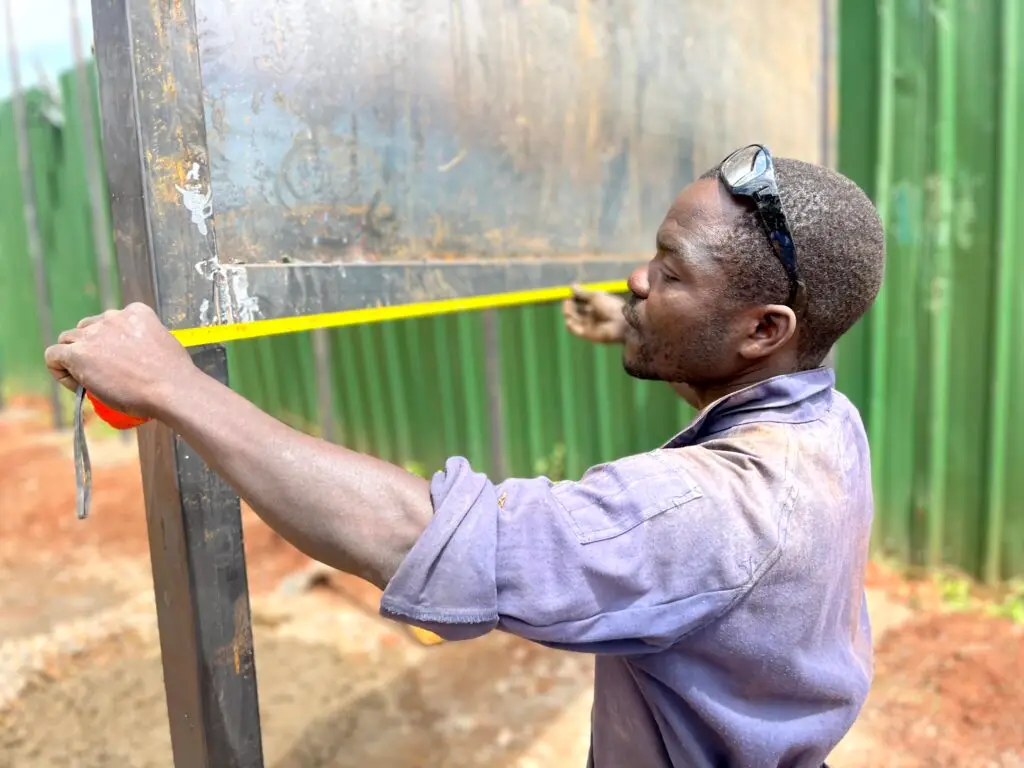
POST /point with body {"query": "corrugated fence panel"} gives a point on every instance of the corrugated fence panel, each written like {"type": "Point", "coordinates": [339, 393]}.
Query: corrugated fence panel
{"type": "Point", "coordinates": [965, 280]}
{"type": "Point", "coordinates": [1004, 543]}
{"type": "Point", "coordinates": [19, 326]}
{"type": "Point", "coordinates": [568, 404]}
{"type": "Point", "coordinates": [415, 392]}
{"type": "Point", "coordinates": [857, 145]}
{"type": "Point", "coordinates": [930, 121]}
{"type": "Point", "coordinates": [64, 218]}
{"type": "Point", "coordinates": [930, 97]}
{"type": "Point", "coordinates": [65, 229]}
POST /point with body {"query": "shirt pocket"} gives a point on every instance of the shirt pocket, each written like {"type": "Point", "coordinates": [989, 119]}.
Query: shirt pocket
{"type": "Point", "coordinates": [614, 498]}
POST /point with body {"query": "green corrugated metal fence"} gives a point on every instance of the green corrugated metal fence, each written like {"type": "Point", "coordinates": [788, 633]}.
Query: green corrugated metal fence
{"type": "Point", "coordinates": [65, 224]}
{"type": "Point", "coordinates": [930, 101]}
{"type": "Point", "coordinates": [930, 106]}
{"type": "Point", "coordinates": [415, 392]}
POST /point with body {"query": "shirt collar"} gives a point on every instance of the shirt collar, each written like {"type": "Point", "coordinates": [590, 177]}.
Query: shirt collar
{"type": "Point", "coordinates": [791, 398]}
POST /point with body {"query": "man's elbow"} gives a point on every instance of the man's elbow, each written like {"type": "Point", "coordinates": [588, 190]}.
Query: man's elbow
{"type": "Point", "coordinates": [406, 531]}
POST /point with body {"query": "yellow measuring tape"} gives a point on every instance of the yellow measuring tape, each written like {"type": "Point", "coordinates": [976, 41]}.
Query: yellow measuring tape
{"type": "Point", "coordinates": [219, 334]}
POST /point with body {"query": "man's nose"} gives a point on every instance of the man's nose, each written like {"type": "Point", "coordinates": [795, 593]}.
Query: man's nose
{"type": "Point", "coordinates": [638, 283]}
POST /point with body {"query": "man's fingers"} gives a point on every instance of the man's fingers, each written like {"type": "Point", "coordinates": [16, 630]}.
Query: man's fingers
{"type": "Point", "coordinates": [57, 357]}
{"type": "Point", "coordinates": [583, 300]}
{"type": "Point", "coordinates": [578, 320]}
{"type": "Point", "coordinates": [571, 309]}
{"type": "Point", "coordinates": [70, 335]}
{"type": "Point", "coordinates": [577, 327]}
{"type": "Point", "coordinates": [582, 293]}
{"type": "Point", "coordinates": [89, 321]}
{"type": "Point", "coordinates": [65, 379]}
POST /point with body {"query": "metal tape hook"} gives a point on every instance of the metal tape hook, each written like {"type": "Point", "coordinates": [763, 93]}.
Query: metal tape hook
{"type": "Point", "coordinates": [83, 467]}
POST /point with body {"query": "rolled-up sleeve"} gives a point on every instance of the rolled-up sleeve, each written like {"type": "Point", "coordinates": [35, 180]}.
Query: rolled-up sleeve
{"type": "Point", "coordinates": [628, 559]}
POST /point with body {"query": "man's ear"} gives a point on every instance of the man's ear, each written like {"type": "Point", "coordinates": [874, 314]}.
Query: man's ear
{"type": "Point", "coordinates": [768, 329]}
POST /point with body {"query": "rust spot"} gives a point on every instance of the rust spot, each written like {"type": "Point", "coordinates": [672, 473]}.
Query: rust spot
{"type": "Point", "coordinates": [241, 643]}
{"type": "Point", "coordinates": [243, 634]}
{"type": "Point", "coordinates": [158, 21]}
{"type": "Point", "coordinates": [166, 172]}
{"type": "Point", "coordinates": [170, 89]}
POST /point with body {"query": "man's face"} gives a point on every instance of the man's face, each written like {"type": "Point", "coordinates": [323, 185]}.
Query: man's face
{"type": "Point", "coordinates": [681, 329]}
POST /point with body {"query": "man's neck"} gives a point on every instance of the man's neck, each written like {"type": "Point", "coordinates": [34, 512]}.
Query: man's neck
{"type": "Point", "coordinates": [700, 396]}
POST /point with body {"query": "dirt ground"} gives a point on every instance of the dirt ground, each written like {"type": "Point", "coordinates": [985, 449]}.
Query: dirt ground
{"type": "Point", "coordinates": [81, 682]}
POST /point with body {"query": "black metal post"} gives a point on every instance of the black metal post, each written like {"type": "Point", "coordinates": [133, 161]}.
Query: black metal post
{"type": "Point", "coordinates": [154, 141]}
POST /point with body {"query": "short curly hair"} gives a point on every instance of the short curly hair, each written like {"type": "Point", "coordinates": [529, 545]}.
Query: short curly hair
{"type": "Point", "coordinates": [840, 248]}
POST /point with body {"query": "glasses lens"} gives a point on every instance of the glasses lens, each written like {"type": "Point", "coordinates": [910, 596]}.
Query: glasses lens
{"type": "Point", "coordinates": [743, 165]}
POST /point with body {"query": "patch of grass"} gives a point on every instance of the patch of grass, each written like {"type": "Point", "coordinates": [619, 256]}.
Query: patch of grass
{"type": "Point", "coordinates": [955, 591]}
{"type": "Point", "coordinates": [960, 593]}
{"type": "Point", "coordinates": [1012, 604]}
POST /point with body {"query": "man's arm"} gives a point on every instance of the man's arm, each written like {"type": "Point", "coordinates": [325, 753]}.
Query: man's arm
{"type": "Point", "coordinates": [350, 511]}
{"type": "Point", "coordinates": [581, 565]}
{"type": "Point", "coordinates": [634, 556]}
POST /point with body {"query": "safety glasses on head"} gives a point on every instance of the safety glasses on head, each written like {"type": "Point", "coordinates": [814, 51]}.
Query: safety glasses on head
{"type": "Point", "coordinates": [750, 173]}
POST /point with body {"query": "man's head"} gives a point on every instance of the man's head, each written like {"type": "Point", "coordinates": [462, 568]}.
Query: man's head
{"type": "Point", "coordinates": [710, 308]}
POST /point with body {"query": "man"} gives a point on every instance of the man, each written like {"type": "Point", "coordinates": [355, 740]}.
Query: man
{"type": "Point", "coordinates": [718, 579]}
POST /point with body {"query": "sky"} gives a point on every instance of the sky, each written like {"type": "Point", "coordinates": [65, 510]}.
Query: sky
{"type": "Point", "coordinates": [43, 35]}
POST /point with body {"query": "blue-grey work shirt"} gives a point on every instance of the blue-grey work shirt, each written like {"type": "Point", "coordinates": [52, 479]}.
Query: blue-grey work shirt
{"type": "Point", "coordinates": [718, 579]}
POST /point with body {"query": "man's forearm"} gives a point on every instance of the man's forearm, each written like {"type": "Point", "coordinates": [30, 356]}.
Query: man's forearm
{"type": "Point", "coordinates": [350, 511]}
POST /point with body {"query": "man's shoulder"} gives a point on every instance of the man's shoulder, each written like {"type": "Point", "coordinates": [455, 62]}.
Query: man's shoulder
{"type": "Point", "coordinates": [739, 455]}
{"type": "Point", "coordinates": [762, 465]}
{"type": "Point", "coordinates": [770, 440]}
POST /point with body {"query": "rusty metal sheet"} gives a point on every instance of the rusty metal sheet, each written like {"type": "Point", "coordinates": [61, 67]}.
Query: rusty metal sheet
{"type": "Point", "coordinates": [438, 130]}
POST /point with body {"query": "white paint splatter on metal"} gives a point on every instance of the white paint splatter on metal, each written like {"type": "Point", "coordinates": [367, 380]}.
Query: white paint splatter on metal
{"type": "Point", "coordinates": [232, 302]}
{"type": "Point", "coordinates": [246, 307]}
{"type": "Point", "coordinates": [198, 203]}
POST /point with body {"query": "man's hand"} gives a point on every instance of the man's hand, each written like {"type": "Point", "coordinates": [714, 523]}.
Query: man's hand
{"type": "Point", "coordinates": [595, 316]}
{"type": "Point", "coordinates": [350, 511]}
{"type": "Point", "coordinates": [126, 358]}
